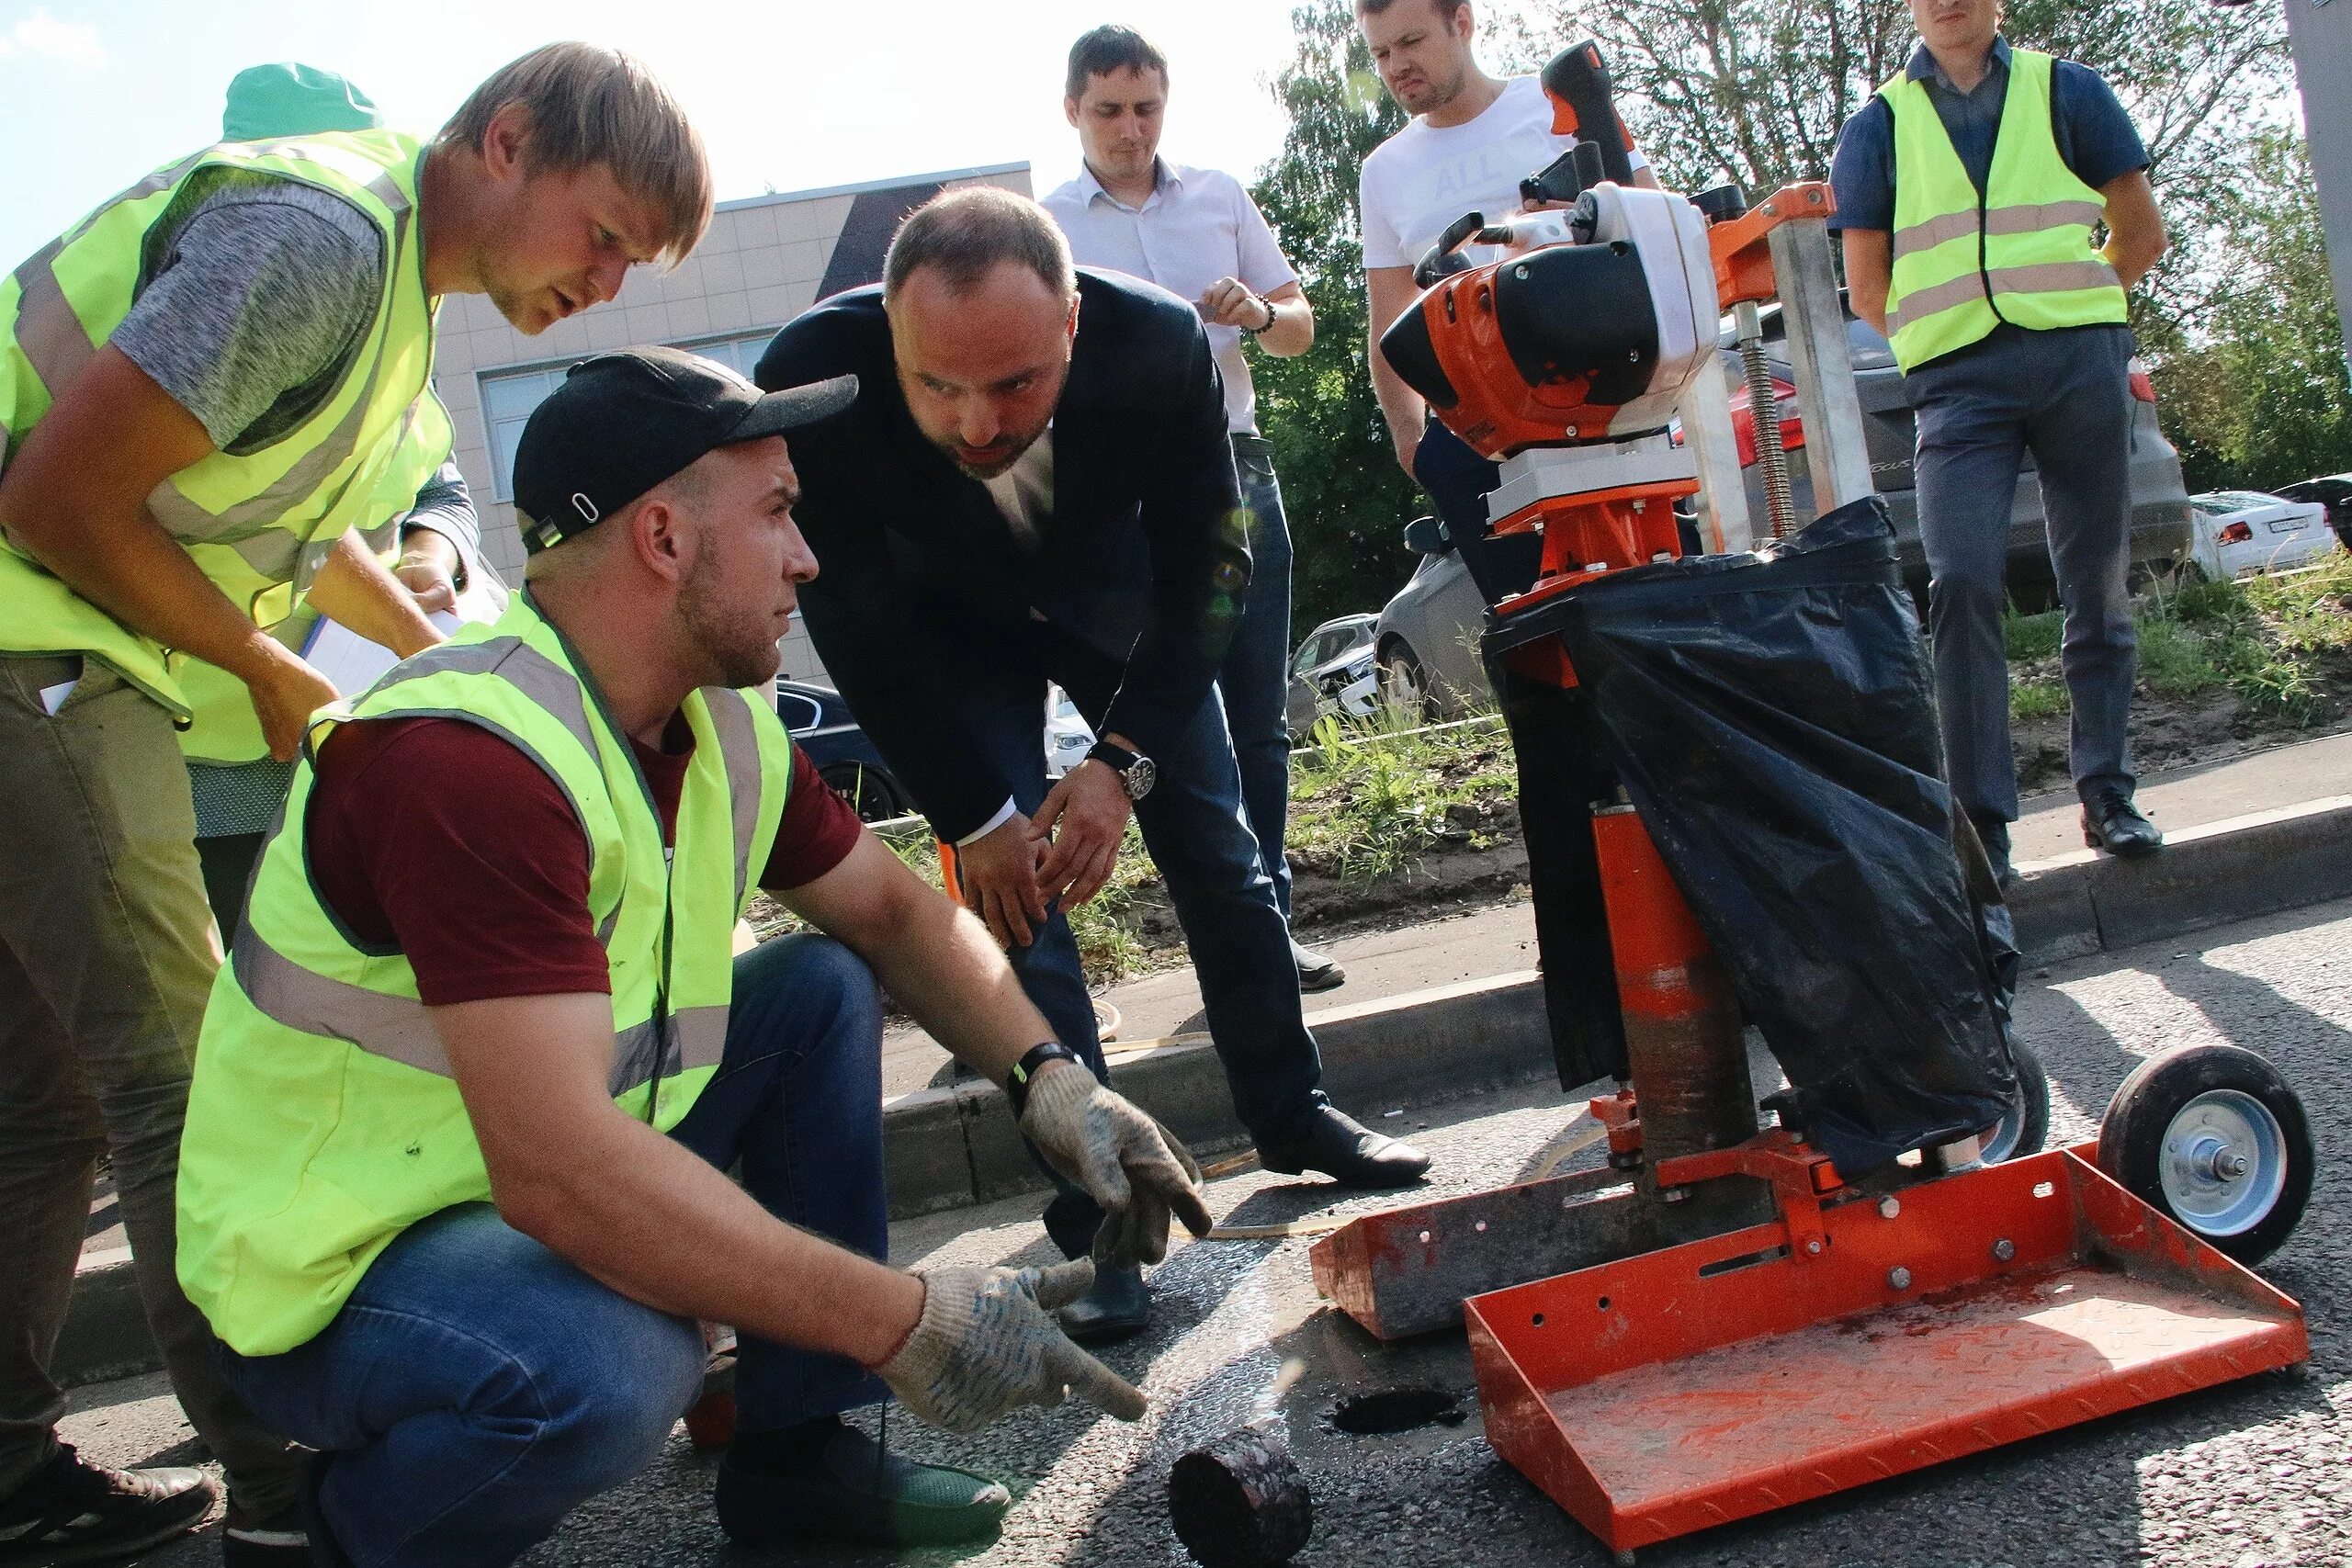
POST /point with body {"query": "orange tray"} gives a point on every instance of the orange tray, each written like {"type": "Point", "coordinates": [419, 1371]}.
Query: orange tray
{"type": "Point", "coordinates": [1710, 1381]}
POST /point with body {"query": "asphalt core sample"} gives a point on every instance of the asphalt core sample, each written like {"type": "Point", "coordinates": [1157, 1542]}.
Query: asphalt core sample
{"type": "Point", "coordinates": [1240, 1501]}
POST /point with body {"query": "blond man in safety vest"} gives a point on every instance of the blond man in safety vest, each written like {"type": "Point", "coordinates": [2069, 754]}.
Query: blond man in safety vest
{"type": "Point", "coordinates": [206, 386]}
{"type": "Point", "coordinates": [1969, 190]}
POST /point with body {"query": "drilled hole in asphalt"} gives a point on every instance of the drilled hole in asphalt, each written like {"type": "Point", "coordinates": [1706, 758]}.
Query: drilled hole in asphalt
{"type": "Point", "coordinates": [1396, 1410]}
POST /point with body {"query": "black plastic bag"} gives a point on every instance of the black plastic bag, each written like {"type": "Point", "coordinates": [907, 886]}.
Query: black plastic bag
{"type": "Point", "coordinates": [1771, 717]}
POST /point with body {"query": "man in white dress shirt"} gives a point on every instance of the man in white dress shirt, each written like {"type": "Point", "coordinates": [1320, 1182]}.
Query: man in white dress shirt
{"type": "Point", "coordinates": [1196, 234]}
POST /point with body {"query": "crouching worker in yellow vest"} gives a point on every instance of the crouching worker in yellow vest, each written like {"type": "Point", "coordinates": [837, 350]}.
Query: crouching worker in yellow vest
{"type": "Point", "coordinates": [203, 390]}
{"type": "Point", "coordinates": [453, 1187]}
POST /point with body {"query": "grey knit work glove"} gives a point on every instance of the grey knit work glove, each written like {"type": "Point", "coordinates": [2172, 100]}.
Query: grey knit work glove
{"type": "Point", "coordinates": [1128, 1163]}
{"type": "Point", "coordinates": [987, 1344]}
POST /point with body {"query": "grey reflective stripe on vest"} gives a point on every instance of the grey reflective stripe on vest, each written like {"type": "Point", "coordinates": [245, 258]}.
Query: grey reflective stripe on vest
{"type": "Point", "coordinates": [739, 745]}
{"type": "Point", "coordinates": [160, 180]}
{"type": "Point", "coordinates": [1921, 303]}
{"type": "Point", "coordinates": [547, 683]}
{"type": "Point", "coordinates": [50, 335]}
{"type": "Point", "coordinates": [283, 991]}
{"type": "Point", "coordinates": [2029, 218]}
{"type": "Point", "coordinates": [2054, 277]}
{"type": "Point", "coordinates": [2032, 218]}
{"type": "Point", "coordinates": [2046, 277]}
{"type": "Point", "coordinates": [697, 1039]}
{"type": "Point", "coordinates": [397, 1029]}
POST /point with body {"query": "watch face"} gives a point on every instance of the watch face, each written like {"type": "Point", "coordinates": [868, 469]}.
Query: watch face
{"type": "Point", "coordinates": [1138, 778]}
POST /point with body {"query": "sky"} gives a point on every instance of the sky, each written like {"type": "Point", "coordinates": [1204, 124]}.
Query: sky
{"type": "Point", "coordinates": [789, 94]}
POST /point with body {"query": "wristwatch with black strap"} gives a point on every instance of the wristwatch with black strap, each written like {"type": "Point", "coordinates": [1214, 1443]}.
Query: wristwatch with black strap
{"type": "Point", "coordinates": [1016, 1082]}
{"type": "Point", "coordinates": [1136, 770]}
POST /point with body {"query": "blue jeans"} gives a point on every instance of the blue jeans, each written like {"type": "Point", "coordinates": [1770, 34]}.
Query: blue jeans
{"type": "Point", "coordinates": [477, 1387]}
{"type": "Point", "coordinates": [2065, 397]}
{"type": "Point", "coordinates": [1194, 823]}
{"type": "Point", "coordinates": [1255, 675]}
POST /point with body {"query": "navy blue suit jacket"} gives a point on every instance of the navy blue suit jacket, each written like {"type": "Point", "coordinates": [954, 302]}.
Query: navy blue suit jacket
{"type": "Point", "coordinates": [922, 595]}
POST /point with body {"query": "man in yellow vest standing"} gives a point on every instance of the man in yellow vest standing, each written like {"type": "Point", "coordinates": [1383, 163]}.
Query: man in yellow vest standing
{"type": "Point", "coordinates": [455, 1189]}
{"type": "Point", "coordinates": [1967, 192]}
{"type": "Point", "coordinates": [204, 390]}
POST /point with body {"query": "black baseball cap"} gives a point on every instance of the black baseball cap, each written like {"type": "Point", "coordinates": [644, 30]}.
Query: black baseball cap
{"type": "Point", "coordinates": [624, 422]}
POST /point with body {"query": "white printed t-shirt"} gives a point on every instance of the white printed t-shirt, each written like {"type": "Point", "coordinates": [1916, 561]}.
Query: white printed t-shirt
{"type": "Point", "coordinates": [1426, 176]}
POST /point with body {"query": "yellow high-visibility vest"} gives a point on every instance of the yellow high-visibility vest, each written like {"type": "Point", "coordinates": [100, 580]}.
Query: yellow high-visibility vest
{"type": "Point", "coordinates": [323, 1119]}
{"type": "Point", "coordinates": [257, 523]}
{"type": "Point", "coordinates": [2017, 252]}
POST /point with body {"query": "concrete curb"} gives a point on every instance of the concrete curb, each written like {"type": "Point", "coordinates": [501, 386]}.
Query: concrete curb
{"type": "Point", "coordinates": [956, 1145]}
{"type": "Point", "coordinates": [2209, 875]}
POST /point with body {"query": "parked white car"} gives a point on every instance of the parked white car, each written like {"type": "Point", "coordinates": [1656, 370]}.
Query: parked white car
{"type": "Point", "coordinates": [2243, 531]}
{"type": "Point", "coordinates": [1331, 672]}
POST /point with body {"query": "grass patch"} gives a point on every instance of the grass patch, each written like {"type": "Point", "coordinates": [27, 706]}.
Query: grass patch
{"type": "Point", "coordinates": [2028, 637]}
{"type": "Point", "coordinates": [1366, 806]}
{"type": "Point", "coordinates": [2178, 660]}
{"type": "Point", "coordinates": [2265, 638]}
{"type": "Point", "coordinates": [2037, 699]}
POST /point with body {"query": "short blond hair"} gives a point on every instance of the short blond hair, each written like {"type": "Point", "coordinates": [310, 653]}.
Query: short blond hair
{"type": "Point", "coordinates": [593, 105]}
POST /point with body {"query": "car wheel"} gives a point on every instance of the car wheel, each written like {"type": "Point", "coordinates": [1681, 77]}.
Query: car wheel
{"type": "Point", "coordinates": [1405, 685]}
{"type": "Point", "coordinates": [871, 792]}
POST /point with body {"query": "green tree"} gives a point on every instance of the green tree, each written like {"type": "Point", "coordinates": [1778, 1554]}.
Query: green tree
{"type": "Point", "coordinates": [1346, 498]}
{"type": "Point", "coordinates": [2264, 401]}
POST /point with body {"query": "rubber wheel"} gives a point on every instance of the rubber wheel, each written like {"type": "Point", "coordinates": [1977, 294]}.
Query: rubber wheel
{"type": "Point", "coordinates": [2212, 1136]}
{"type": "Point", "coordinates": [1405, 686]}
{"type": "Point", "coordinates": [2025, 1127]}
{"type": "Point", "coordinates": [869, 792]}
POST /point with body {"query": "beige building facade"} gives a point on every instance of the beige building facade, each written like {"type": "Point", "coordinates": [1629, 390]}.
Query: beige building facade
{"type": "Point", "coordinates": [764, 261]}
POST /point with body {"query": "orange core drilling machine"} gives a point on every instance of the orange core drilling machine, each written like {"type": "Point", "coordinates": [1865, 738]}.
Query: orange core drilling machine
{"type": "Point", "coordinates": [1725, 1322]}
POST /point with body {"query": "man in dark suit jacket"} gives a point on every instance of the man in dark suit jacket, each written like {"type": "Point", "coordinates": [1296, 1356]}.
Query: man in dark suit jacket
{"type": "Point", "coordinates": [1036, 484]}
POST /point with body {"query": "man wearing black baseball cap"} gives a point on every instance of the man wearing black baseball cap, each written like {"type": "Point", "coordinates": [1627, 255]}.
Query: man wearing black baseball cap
{"type": "Point", "coordinates": [427, 1198]}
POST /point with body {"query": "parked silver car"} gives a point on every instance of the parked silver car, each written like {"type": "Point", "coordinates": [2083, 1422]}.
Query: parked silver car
{"type": "Point", "coordinates": [1427, 636]}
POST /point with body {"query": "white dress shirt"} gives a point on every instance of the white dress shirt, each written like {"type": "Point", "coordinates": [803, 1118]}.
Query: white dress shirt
{"type": "Point", "coordinates": [1197, 226]}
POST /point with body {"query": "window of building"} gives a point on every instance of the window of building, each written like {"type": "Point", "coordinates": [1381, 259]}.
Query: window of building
{"type": "Point", "coordinates": [509, 396]}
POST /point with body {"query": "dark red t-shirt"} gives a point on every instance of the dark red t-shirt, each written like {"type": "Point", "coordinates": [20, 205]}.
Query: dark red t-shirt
{"type": "Point", "coordinates": [443, 838]}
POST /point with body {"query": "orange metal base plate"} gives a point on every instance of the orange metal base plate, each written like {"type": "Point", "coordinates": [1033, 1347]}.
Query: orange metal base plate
{"type": "Point", "coordinates": [1707, 1383]}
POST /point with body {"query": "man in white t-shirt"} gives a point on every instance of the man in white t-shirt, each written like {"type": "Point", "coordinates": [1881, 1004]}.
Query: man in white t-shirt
{"type": "Point", "coordinates": [1196, 234]}
{"type": "Point", "coordinates": [1471, 138]}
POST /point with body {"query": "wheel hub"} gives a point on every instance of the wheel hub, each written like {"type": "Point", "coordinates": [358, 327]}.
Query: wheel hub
{"type": "Point", "coordinates": [2223, 1165]}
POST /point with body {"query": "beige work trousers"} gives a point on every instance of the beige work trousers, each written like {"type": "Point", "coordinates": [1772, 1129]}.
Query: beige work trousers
{"type": "Point", "coordinates": [107, 956]}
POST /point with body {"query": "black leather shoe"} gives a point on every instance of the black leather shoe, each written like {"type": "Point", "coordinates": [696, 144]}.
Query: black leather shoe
{"type": "Point", "coordinates": [72, 1511]}
{"type": "Point", "coordinates": [1317, 971]}
{"type": "Point", "coordinates": [2112, 823]}
{"type": "Point", "coordinates": [1118, 1307]}
{"type": "Point", "coordinates": [1326, 1139]}
{"type": "Point", "coordinates": [824, 1480]}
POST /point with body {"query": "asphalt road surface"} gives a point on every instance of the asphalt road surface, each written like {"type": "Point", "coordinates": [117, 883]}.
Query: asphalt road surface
{"type": "Point", "coordinates": [2255, 1473]}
